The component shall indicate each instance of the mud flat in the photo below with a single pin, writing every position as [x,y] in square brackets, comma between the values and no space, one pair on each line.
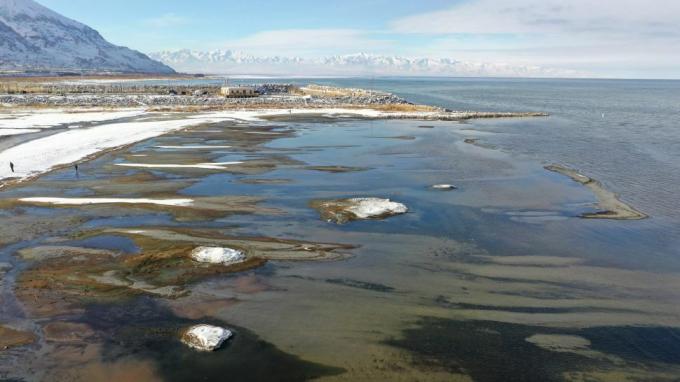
[611,207]
[10,338]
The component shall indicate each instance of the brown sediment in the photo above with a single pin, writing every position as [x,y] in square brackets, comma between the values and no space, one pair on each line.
[475,142]
[12,182]
[10,338]
[199,307]
[53,251]
[21,226]
[266,248]
[402,137]
[265,181]
[62,284]
[336,169]
[163,268]
[99,369]
[63,331]
[611,207]
[200,208]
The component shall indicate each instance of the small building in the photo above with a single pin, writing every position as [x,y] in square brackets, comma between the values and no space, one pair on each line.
[238,91]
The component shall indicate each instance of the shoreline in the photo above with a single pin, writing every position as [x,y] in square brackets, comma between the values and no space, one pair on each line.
[611,207]
[58,151]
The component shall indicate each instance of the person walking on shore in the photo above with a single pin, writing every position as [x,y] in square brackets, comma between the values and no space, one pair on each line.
[11,166]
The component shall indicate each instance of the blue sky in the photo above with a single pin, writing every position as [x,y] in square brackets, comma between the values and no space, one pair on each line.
[609,38]
[151,25]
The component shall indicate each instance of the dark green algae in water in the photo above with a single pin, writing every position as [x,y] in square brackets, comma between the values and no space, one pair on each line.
[148,330]
[490,351]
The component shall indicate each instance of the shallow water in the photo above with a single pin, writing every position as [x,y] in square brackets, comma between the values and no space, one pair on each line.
[498,280]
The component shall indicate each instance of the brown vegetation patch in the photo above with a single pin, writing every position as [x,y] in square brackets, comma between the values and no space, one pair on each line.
[162,269]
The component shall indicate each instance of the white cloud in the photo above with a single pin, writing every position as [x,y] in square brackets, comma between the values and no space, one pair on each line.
[611,17]
[166,20]
[606,37]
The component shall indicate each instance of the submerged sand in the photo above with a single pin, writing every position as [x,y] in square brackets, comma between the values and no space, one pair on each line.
[608,202]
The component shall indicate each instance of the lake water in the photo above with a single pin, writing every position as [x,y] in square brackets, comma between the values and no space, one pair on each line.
[499,280]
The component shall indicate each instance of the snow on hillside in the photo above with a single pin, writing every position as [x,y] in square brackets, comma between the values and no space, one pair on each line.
[231,62]
[33,37]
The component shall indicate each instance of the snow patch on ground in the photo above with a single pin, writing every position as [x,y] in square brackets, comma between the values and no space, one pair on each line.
[40,155]
[83,201]
[45,119]
[205,337]
[217,255]
[193,147]
[207,166]
[7,132]
[43,154]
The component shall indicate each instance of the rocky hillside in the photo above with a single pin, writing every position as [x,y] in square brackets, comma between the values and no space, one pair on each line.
[33,37]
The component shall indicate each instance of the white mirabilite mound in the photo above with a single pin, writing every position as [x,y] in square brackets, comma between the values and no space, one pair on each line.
[444,187]
[205,337]
[217,255]
[367,208]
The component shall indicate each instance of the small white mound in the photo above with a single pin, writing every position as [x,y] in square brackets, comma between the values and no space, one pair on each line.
[205,337]
[444,187]
[217,255]
[84,201]
[366,208]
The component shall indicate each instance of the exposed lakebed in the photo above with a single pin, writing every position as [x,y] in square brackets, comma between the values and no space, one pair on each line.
[478,282]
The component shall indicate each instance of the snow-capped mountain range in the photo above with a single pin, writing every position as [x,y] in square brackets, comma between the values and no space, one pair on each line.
[234,62]
[33,37]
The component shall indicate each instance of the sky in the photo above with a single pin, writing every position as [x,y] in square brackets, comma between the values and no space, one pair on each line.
[599,38]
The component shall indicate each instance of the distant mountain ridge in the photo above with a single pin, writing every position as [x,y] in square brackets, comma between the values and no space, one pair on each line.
[33,37]
[234,62]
